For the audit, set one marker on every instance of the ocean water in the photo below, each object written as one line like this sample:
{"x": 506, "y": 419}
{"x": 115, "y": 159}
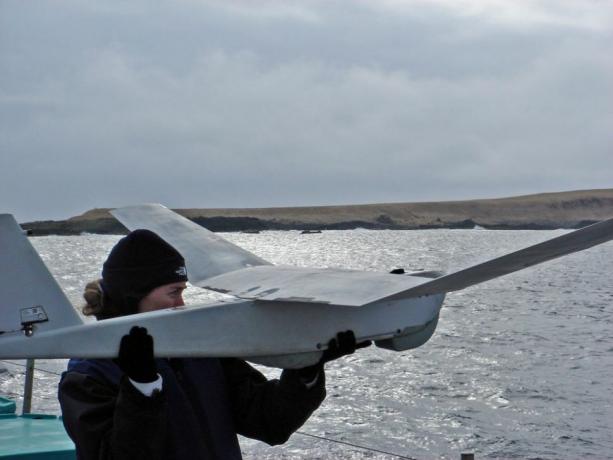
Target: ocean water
{"x": 521, "y": 366}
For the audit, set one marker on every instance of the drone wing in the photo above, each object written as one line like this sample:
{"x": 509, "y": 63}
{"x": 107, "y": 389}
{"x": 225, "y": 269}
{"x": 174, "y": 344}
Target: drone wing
{"x": 216, "y": 264}
{"x": 578, "y": 240}
{"x": 357, "y": 288}
{"x": 206, "y": 254}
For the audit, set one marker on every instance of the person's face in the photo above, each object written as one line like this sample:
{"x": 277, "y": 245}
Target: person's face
{"x": 165, "y": 296}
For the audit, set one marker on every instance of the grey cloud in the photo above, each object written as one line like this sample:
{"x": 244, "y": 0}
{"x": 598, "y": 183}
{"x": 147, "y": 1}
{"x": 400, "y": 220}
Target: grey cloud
{"x": 207, "y": 105}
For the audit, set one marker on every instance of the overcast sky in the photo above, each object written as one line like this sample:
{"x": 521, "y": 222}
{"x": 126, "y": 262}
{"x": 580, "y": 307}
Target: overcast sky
{"x": 277, "y": 103}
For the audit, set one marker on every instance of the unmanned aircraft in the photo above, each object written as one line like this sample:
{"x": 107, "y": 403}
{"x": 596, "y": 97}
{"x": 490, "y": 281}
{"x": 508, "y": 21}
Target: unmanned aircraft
{"x": 278, "y": 316}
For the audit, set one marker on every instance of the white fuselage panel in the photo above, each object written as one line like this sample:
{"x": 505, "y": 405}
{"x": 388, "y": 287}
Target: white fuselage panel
{"x": 247, "y": 329}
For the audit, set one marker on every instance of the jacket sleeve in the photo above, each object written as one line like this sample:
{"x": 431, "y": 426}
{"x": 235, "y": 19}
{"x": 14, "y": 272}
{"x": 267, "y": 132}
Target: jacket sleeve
{"x": 270, "y": 410}
{"x": 105, "y": 423}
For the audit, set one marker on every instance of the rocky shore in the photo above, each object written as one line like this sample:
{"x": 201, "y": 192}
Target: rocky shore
{"x": 542, "y": 211}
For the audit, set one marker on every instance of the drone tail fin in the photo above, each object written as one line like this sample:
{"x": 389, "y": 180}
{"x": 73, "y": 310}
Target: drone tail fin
{"x": 30, "y": 298}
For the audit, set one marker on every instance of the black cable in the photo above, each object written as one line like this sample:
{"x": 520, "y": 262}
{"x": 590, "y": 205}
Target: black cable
{"x": 354, "y": 445}
{"x": 36, "y": 368}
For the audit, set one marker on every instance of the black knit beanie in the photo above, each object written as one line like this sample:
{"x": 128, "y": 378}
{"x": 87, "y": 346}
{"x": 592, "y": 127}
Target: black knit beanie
{"x": 136, "y": 265}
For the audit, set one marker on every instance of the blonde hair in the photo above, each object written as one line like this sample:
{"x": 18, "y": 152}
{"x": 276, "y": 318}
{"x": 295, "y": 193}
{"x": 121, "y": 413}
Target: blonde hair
{"x": 97, "y": 302}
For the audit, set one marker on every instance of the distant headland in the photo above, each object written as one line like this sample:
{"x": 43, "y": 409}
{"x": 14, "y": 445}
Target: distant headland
{"x": 572, "y": 209}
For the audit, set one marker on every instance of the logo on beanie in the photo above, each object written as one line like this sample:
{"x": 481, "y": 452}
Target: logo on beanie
{"x": 181, "y": 271}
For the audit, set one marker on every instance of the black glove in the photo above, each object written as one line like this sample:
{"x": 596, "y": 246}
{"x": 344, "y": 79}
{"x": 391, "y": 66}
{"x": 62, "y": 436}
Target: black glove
{"x": 343, "y": 344}
{"x": 136, "y": 356}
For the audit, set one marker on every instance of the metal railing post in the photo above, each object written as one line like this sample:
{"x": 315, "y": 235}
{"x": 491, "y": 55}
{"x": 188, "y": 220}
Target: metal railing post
{"x": 27, "y": 387}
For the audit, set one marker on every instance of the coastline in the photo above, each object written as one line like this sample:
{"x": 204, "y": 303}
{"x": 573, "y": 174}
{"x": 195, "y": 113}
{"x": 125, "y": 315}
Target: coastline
{"x": 573, "y": 209}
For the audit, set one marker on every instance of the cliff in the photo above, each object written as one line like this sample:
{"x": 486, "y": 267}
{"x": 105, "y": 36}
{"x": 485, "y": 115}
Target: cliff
{"x": 542, "y": 211}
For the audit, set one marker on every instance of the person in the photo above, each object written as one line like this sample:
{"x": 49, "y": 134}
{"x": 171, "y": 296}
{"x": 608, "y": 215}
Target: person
{"x": 139, "y": 406}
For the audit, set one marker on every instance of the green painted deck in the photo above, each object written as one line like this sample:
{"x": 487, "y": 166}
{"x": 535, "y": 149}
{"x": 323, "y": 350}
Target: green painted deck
{"x": 34, "y": 436}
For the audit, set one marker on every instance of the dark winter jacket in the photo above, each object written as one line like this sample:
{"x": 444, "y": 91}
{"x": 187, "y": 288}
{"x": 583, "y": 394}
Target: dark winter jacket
{"x": 204, "y": 403}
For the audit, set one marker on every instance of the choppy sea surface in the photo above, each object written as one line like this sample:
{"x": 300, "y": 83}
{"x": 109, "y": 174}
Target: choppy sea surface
{"x": 521, "y": 366}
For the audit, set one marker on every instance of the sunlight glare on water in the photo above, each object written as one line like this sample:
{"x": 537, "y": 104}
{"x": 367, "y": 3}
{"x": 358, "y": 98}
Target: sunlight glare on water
{"x": 521, "y": 366}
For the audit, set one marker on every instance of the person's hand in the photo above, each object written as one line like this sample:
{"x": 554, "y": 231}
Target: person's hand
{"x": 344, "y": 344}
{"x": 136, "y": 356}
